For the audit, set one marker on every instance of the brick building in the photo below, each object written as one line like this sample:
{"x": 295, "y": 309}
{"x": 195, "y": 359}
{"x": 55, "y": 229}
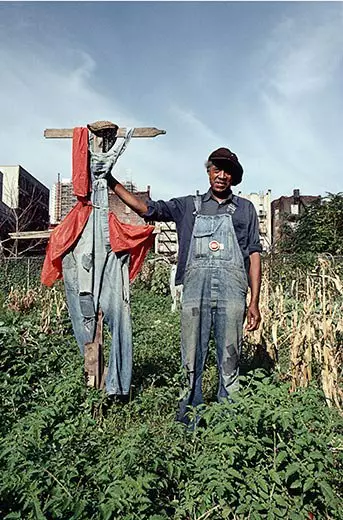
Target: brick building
{"x": 287, "y": 210}
{"x": 123, "y": 212}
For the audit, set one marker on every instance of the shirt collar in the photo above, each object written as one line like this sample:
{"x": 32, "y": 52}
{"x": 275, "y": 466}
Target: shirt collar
{"x": 208, "y": 195}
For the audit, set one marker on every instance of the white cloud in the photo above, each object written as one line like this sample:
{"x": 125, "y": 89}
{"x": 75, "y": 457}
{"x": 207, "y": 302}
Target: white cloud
{"x": 295, "y": 127}
{"x": 285, "y": 121}
{"x": 39, "y": 94}
{"x": 309, "y": 56}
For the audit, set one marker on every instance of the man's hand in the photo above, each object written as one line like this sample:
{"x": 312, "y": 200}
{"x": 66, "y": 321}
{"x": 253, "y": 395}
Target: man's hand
{"x": 253, "y": 317}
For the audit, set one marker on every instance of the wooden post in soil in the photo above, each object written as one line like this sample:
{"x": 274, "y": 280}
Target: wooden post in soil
{"x": 94, "y": 354}
{"x": 95, "y": 371}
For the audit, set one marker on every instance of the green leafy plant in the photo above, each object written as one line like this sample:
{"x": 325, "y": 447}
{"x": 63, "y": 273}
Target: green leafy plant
{"x": 68, "y": 452}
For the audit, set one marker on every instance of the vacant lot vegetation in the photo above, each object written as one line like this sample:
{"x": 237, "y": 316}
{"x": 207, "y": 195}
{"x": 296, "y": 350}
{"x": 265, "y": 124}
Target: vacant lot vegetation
{"x": 67, "y": 452}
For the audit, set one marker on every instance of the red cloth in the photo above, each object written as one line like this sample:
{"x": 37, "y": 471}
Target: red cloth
{"x": 137, "y": 240}
{"x": 80, "y": 164}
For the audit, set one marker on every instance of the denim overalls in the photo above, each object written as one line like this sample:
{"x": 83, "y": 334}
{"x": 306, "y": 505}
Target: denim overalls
{"x": 214, "y": 294}
{"x": 95, "y": 276}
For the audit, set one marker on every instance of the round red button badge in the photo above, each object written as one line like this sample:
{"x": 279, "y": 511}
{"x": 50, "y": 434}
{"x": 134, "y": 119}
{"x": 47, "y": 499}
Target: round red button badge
{"x": 214, "y": 245}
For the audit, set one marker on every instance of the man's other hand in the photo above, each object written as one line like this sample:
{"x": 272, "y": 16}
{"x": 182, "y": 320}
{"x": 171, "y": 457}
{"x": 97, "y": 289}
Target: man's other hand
{"x": 253, "y": 317}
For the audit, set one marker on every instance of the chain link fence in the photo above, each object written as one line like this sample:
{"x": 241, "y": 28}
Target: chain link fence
{"x": 24, "y": 272}
{"x": 20, "y": 273}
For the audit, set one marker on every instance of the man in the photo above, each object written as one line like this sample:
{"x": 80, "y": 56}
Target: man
{"x": 219, "y": 256}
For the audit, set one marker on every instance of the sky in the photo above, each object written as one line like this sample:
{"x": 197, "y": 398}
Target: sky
{"x": 264, "y": 79}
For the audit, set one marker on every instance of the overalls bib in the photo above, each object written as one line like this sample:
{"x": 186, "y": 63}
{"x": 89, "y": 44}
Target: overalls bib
{"x": 214, "y": 295}
{"x": 95, "y": 276}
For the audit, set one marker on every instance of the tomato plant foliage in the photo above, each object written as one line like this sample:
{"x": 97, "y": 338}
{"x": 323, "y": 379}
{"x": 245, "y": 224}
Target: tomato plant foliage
{"x": 67, "y": 452}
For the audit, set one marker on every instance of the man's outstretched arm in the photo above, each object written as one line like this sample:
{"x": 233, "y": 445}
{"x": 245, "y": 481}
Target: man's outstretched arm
{"x": 127, "y": 197}
{"x": 158, "y": 211}
{"x": 253, "y": 315}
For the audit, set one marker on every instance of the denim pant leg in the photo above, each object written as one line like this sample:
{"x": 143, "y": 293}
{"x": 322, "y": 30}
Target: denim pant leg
{"x": 228, "y": 331}
{"x": 71, "y": 284}
{"x": 195, "y": 333}
{"x": 115, "y": 304}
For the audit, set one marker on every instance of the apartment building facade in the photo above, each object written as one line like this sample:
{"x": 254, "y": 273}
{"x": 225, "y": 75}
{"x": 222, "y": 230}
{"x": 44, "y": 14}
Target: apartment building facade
{"x": 26, "y": 197}
{"x": 62, "y": 200}
{"x": 262, "y": 204}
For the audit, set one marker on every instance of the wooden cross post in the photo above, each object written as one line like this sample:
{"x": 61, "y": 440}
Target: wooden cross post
{"x": 104, "y": 138}
{"x": 65, "y": 133}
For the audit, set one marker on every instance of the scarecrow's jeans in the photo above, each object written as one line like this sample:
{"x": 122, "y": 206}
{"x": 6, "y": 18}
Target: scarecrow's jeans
{"x": 115, "y": 305}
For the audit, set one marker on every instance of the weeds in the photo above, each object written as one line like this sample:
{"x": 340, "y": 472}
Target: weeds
{"x": 302, "y": 327}
{"x": 68, "y": 453}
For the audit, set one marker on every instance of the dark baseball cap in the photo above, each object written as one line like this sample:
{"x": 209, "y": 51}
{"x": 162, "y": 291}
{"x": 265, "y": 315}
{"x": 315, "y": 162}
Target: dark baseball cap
{"x": 227, "y": 160}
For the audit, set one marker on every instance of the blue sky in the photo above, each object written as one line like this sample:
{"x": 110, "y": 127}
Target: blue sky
{"x": 262, "y": 78}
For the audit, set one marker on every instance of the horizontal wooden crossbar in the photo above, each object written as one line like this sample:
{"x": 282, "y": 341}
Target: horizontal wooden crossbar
{"x": 30, "y": 234}
{"x": 67, "y": 133}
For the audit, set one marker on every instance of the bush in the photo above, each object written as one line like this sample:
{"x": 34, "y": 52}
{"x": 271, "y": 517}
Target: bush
{"x": 155, "y": 275}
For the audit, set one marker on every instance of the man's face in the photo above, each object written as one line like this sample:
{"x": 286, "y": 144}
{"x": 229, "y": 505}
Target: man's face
{"x": 220, "y": 180}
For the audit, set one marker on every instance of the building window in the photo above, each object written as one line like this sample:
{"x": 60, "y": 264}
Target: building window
{"x": 294, "y": 209}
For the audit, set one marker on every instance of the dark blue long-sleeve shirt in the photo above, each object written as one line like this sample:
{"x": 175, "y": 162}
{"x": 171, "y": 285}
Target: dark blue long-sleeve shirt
{"x": 182, "y": 211}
